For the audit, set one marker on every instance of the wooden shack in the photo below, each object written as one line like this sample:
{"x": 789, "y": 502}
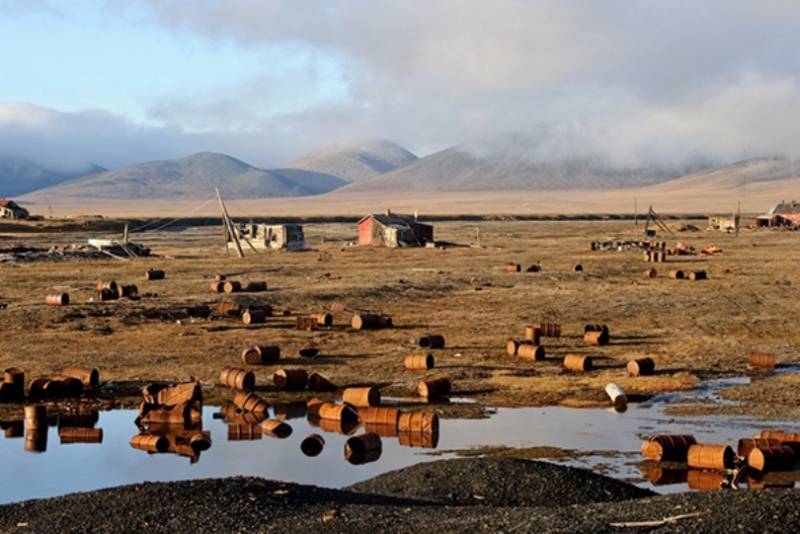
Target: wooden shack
{"x": 393, "y": 230}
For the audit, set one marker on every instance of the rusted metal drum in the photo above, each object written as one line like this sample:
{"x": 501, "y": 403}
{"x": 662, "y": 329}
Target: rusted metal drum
{"x": 256, "y": 286}
{"x": 231, "y": 286}
{"x": 529, "y": 351}
{"x": 418, "y": 439}
{"x": 13, "y": 429}
{"x": 309, "y": 350}
{"x": 35, "y": 416}
{"x": 228, "y": 308}
{"x": 244, "y": 432}
{"x": 112, "y": 285}
{"x": 698, "y": 275}
{"x": 578, "y": 268}
{"x": 578, "y": 362}
{"x": 276, "y": 429}
{"x": 533, "y": 334}
{"x": 337, "y": 412}
{"x": 651, "y": 273}
{"x": 782, "y": 436}
{"x": 306, "y": 322}
{"x": 363, "y": 449}
{"x": 549, "y": 329}
{"x": 44, "y": 388}
{"x": 641, "y": 367}
{"x": 702, "y": 480}
{"x": 312, "y": 406}
{"x": 15, "y": 378}
{"x": 217, "y": 287}
{"x": 379, "y": 416}
{"x": 236, "y": 378}
{"x": 419, "y": 362}
{"x": 762, "y": 360}
{"x": 323, "y": 319}
{"x": 512, "y": 267}
{"x": 70, "y": 387}
{"x": 289, "y": 410}
{"x": 129, "y": 291}
{"x": 419, "y": 422}
{"x": 345, "y": 427}
{"x": 261, "y": 354}
{"x": 595, "y": 339}
{"x": 80, "y": 435}
{"x": 154, "y": 274}
{"x": 104, "y": 295}
{"x": 362, "y": 397}
{"x": 776, "y": 458}
{"x": 250, "y": 402}
{"x": 312, "y": 445}
{"x": 36, "y": 439}
{"x": 535, "y": 268}
{"x": 676, "y": 274}
{"x": 150, "y": 442}
{"x": 710, "y": 456}
{"x": 434, "y": 388}
{"x": 431, "y": 341}
{"x": 668, "y": 447}
{"x": 317, "y": 382}
{"x": 89, "y": 376}
{"x": 290, "y": 379}
{"x": 251, "y": 316}
{"x": 368, "y": 321}
{"x": 512, "y": 345}
{"x": 57, "y": 299}
{"x": 384, "y": 431}
{"x": 746, "y": 445}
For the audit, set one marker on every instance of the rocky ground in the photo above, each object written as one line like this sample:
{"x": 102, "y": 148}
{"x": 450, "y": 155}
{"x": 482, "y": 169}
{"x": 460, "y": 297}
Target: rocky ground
{"x": 445, "y": 496}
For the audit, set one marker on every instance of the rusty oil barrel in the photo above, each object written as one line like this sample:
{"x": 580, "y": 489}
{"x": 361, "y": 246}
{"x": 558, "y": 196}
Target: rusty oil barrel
{"x": 251, "y": 316}
{"x": 577, "y": 268}
{"x": 150, "y": 442}
{"x": 676, "y": 274}
{"x": 129, "y": 291}
{"x": 312, "y": 445}
{"x": 529, "y": 351}
{"x": 512, "y": 346}
{"x": 317, "y": 382}
{"x": 44, "y": 388}
{"x": 667, "y": 447}
{"x": 70, "y": 386}
{"x": 710, "y": 456}
{"x": 363, "y": 448}
{"x": 35, "y": 416}
{"x": 13, "y": 429}
{"x": 595, "y": 338}
{"x": 80, "y": 435}
{"x": 533, "y": 334}
{"x": 57, "y": 299}
{"x": 698, "y": 275}
{"x": 384, "y": 431}
{"x": 244, "y": 432}
{"x": 154, "y": 274}
{"x": 745, "y": 445}
{"x": 231, "y": 286}
{"x": 236, "y": 378}
{"x": 762, "y": 360}
{"x": 549, "y": 329}
{"x": 344, "y": 427}
{"x": 228, "y": 308}
{"x": 362, "y": 397}
{"x": 250, "y": 402}
{"x": 779, "y": 458}
{"x": 312, "y": 406}
{"x": 309, "y": 350}
{"x": 255, "y": 286}
{"x": 14, "y": 383}
{"x": 217, "y": 286}
{"x": 434, "y": 388}
{"x": 36, "y": 439}
{"x": 369, "y": 321}
{"x": 290, "y": 379}
{"x": 703, "y": 480}
{"x": 261, "y": 354}
{"x": 418, "y": 439}
{"x": 112, "y": 285}
{"x": 418, "y": 422}
{"x": 306, "y": 323}
{"x": 104, "y": 295}
{"x": 276, "y": 429}
{"x": 379, "y": 416}
{"x": 783, "y": 436}
{"x": 641, "y": 367}
{"x": 89, "y": 376}
{"x": 323, "y": 319}
{"x": 431, "y": 341}
{"x": 419, "y": 362}
{"x": 337, "y": 412}
{"x": 512, "y": 267}
{"x": 651, "y": 273}
{"x": 577, "y": 362}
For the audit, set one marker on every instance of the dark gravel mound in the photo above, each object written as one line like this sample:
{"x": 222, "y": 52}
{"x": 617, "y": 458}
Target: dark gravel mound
{"x": 500, "y": 482}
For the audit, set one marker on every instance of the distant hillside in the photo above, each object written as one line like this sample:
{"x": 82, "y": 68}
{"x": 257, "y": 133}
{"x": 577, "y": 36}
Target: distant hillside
{"x": 356, "y": 163}
{"x": 194, "y": 177}
{"x": 19, "y": 176}
{"x": 740, "y": 175}
{"x": 464, "y": 169}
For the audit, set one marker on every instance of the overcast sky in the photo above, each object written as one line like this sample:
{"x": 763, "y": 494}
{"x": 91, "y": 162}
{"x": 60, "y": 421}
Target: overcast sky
{"x": 119, "y": 81}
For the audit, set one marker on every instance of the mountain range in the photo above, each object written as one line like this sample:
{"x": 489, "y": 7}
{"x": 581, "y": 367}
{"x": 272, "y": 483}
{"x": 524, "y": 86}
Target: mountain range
{"x": 20, "y": 175}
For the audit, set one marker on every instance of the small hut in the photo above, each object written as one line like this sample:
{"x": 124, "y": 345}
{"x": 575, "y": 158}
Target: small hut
{"x": 783, "y": 214}
{"x": 276, "y": 236}
{"x": 11, "y": 210}
{"x": 393, "y": 230}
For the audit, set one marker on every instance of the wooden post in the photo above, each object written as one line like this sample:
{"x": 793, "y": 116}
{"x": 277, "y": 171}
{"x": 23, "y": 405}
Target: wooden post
{"x": 229, "y": 225}
{"x": 635, "y": 213}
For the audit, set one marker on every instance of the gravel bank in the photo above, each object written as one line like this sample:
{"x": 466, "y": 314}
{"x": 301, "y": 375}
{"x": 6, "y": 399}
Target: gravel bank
{"x": 250, "y": 504}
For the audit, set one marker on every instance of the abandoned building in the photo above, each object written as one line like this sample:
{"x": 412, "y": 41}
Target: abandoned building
{"x": 11, "y": 210}
{"x": 723, "y": 223}
{"x": 784, "y": 214}
{"x": 393, "y": 230}
{"x": 276, "y": 237}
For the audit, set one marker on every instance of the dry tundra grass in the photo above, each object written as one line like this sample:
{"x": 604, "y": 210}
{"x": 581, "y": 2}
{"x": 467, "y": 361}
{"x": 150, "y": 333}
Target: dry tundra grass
{"x": 693, "y": 330}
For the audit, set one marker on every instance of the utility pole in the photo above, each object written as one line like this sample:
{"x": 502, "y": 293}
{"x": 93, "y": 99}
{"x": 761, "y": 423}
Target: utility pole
{"x": 226, "y": 220}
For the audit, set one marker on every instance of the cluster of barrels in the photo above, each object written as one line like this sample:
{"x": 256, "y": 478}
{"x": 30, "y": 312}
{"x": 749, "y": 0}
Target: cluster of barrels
{"x": 677, "y": 274}
{"x": 712, "y": 466}
{"x": 77, "y": 427}
{"x": 183, "y": 440}
{"x": 69, "y": 382}
{"x": 512, "y": 267}
{"x": 106, "y": 291}
{"x": 222, "y": 284}
{"x": 180, "y": 404}
{"x": 314, "y": 321}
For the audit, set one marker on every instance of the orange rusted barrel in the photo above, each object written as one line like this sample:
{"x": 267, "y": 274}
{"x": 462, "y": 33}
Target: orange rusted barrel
{"x": 337, "y": 412}
{"x": 89, "y": 376}
{"x": 306, "y": 322}
{"x": 154, "y": 274}
{"x": 70, "y": 387}
{"x": 777, "y": 458}
{"x": 362, "y": 397}
{"x": 231, "y": 286}
{"x": 532, "y": 334}
{"x": 256, "y": 286}
{"x": 363, "y": 449}
{"x": 44, "y": 388}
{"x": 312, "y": 445}
{"x": 668, "y": 447}
{"x": 244, "y": 432}
{"x": 762, "y": 360}
{"x": 651, "y": 273}
{"x": 261, "y": 354}
{"x": 379, "y": 416}
{"x": 236, "y": 378}
{"x": 276, "y": 429}
{"x": 702, "y": 480}
{"x": 384, "y": 431}
{"x": 512, "y": 345}
{"x": 309, "y": 350}
{"x": 312, "y": 405}
{"x": 229, "y": 308}
{"x": 578, "y": 362}
{"x": 35, "y": 416}
{"x": 251, "y": 316}
{"x": 529, "y": 351}
{"x": 512, "y": 267}
{"x": 150, "y": 442}
{"x": 15, "y": 378}
{"x": 641, "y": 367}
{"x": 290, "y": 379}
{"x": 250, "y": 402}
{"x": 418, "y": 439}
{"x": 549, "y": 329}
{"x": 783, "y": 436}
{"x": 746, "y": 445}
{"x": 80, "y": 435}
{"x": 431, "y": 341}
{"x": 370, "y": 322}
{"x": 57, "y": 299}
{"x": 659, "y": 476}
{"x": 112, "y": 285}
{"x": 419, "y": 362}
{"x": 217, "y": 287}
{"x": 179, "y": 414}
{"x": 676, "y": 274}
{"x": 710, "y": 456}
{"x": 36, "y": 439}
{"x": 345, "y": 427}
{"x": 595, "y": 339}
{"x": 323, "y": 319}
{"x": 698, "y": 275}
{"x": 422, "y": 422}
{"x": 289, "y": 410}
{"x": 434, "y": 388}
{"x": 129, "y": 291}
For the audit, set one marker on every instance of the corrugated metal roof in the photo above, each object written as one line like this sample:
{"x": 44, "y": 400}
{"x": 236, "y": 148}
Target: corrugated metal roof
{"x": 390, "y": 219}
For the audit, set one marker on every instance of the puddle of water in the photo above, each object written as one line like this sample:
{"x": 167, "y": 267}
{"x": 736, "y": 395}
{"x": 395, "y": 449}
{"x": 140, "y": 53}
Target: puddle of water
{"x": 67, "y": 468}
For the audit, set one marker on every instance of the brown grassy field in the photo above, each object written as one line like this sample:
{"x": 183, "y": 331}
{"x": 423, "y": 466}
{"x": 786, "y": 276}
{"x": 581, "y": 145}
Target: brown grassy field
{"x": 693, "y": 330}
